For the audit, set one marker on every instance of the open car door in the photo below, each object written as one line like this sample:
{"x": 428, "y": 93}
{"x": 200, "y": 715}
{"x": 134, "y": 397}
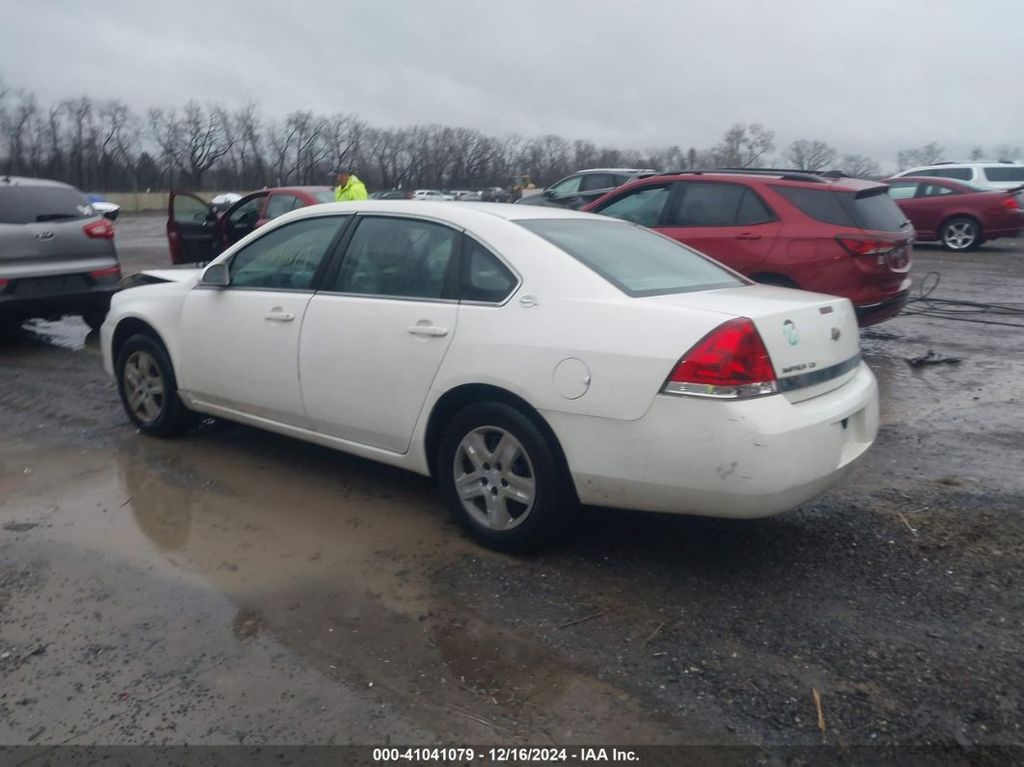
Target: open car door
{"x": 192, "y": 230}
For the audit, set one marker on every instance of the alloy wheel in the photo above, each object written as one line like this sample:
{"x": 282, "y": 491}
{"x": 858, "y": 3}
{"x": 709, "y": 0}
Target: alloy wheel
{"x": 144, "y": 386}
{"x": 960, "y": 235}
{"x": 494, "y": 478}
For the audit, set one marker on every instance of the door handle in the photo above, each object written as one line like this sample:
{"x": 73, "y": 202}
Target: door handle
{"x": 748, "y": 236}
{"x": 279, "y": 316}
{"x": 428, "y": 330}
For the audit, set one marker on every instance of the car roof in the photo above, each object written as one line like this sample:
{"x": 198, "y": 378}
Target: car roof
{"x": 28, "y": 181}
{"x": 458, "y": 213}
{"x": 972, "y": 164}
{"x": 805, "y": 179}
{"x": 614, "y": 170}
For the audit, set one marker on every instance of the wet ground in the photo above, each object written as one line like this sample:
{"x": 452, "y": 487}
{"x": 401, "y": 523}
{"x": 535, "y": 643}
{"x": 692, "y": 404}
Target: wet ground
{"x": 240, "y": 587}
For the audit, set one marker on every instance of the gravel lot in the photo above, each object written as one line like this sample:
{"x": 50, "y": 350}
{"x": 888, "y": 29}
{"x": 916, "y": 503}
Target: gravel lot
{"x": 240, "y": 587}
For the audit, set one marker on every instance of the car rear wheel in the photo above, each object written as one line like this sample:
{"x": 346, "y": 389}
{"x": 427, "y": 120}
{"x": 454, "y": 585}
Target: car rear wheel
{"x": 148, "y": 388}
{"x": 961, "y": 233}
{"x": 502, "y": 480}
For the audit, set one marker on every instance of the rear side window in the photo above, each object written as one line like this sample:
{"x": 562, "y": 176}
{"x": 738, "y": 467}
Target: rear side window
{"x": 636, "y": 260}
{"x": 1005, "y": 173}
{"x": 484, "y": 277}
{"x": 902, "y": 190}
{"x": 819, "y": 204}
{"x": 279, "y": 204}
{"x": 709, "y": 203}
{"x": 873, "y": 210}
{"x": 964, "y": 174}
{"x": 34, "y": 204}
{"x": 593, "y": 181}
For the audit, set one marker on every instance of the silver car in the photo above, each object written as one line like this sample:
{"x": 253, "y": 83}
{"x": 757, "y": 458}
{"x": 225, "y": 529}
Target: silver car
{"x": 57, "y": 253}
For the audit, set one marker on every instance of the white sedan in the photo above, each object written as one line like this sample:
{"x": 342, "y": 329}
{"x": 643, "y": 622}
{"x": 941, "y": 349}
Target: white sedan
{"x": 529, "y": 359}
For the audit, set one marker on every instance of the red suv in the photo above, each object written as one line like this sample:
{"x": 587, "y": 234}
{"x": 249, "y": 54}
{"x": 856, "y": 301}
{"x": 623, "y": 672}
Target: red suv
{"x": 825, "y": 233}
{"x": 196, "y": 231}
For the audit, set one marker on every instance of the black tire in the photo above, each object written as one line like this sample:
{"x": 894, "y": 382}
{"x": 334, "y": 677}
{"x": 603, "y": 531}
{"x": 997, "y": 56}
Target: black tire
{"x": 94, "y": 318}
{"x": 960, "y": 234}
{"x": 553, "y": 501}
{"x": 168, "y": 417}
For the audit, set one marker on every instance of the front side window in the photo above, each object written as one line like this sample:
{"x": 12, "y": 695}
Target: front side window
{"x": 641, "y": 206}
{"x": 247, "y": 213}
{"x": 569, "y": 186}
{"x": 636, "y": 260}
{"x": 484, "y": 277}
{"x": 286, "y": 258}
{"x": 279, "y": 204}
{"x": 186, "y": 209}
{"x": 398, "y": 257}
{"x": 902, "y": 190}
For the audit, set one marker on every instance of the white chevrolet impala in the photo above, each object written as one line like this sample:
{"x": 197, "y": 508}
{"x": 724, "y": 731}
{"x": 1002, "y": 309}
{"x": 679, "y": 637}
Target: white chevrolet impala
{"x": 529, "y": 359}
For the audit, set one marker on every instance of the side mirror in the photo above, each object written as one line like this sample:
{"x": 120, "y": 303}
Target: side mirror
{"x": 548, "y": 193}
{"x": 111, "y": 215}
{"x": 216, "y": 276}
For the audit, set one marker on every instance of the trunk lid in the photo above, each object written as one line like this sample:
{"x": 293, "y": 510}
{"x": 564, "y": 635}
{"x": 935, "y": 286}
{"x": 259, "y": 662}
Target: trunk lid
{"x": 812, "y": 338}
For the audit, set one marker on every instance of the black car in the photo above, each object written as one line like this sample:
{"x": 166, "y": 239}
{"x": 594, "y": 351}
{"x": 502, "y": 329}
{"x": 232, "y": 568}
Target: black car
{"x": 585, "y": 186}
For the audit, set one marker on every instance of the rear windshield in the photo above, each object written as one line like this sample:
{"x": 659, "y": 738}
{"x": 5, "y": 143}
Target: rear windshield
{"x": 31, "y": 204}
{"x": 1005, "y": 173}
{"x": 637, "y": 261}
{"x": 868, "y": 210}
{"x": 327, "y": 195}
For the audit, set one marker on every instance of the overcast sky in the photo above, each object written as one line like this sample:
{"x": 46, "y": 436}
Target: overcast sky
{"x": 868, "y": 76}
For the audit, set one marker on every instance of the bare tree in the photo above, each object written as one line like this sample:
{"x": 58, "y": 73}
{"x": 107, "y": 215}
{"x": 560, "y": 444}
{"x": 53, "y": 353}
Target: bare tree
{"x": 929, "y": 154}
{"x": 810, "y": 155}
{"x": 743, "y": 146}
{"x": 1007, "y": 153}
{"x": 859, "y": 166}
{"x": 977, "y": 153}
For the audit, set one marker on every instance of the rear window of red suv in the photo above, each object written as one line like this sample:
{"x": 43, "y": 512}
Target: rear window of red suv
{"x": 870, "y": 209}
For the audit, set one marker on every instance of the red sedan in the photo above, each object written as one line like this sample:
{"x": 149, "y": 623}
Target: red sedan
{"x": 197, "y": 232}
{"x": 956, "y": 214}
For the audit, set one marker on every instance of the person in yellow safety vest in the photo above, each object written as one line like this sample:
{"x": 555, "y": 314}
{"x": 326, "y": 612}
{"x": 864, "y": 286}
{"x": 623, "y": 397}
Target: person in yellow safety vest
{"x": 349, "y": 186}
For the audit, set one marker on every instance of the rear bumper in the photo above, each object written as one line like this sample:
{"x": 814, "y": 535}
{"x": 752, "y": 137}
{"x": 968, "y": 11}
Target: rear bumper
{"x": 52, "y": 307}
{"x": 721, "y": 459}
{"x": 871, "y": 314}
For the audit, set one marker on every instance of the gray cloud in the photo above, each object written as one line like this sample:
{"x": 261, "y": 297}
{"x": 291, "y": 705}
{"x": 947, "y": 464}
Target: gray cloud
{"x": 868, "y": 76}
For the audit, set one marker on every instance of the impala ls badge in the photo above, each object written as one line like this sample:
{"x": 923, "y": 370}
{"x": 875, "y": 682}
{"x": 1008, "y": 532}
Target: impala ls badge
{"x": 45, "y": 235}
{"x": 789, "y": 331}
{"x": 836, "y": 333}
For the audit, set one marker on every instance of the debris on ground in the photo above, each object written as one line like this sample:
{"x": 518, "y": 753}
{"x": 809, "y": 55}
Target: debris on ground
{"x": 932, "y": 358}
{"x": 817, "y": 705}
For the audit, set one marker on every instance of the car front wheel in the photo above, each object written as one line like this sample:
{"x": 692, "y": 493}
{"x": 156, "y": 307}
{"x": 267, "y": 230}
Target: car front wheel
{"x": 502, "y": 480}
{"x": 148, "y": 388}
{"x": 961, "y": 234}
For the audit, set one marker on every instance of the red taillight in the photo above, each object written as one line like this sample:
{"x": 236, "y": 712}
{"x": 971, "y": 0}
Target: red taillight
{"x": 1010, "y": 203}
{"x": 865, "y": 246}
{"x": 3, "y": 283}
{"x": 99, "y": 230}
{"x": 730, "y": 362}
{"x": 111, "y": 271}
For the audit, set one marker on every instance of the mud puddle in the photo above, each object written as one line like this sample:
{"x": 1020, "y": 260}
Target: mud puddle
{"x": 288, "y": 550}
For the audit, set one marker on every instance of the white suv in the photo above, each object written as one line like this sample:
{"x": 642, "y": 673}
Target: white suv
{"x": 986, "y": 175}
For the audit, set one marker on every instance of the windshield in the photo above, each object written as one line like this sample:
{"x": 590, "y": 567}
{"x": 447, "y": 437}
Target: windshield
{"x": 636, "y": 260}
{"x": 34, "y": 204}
